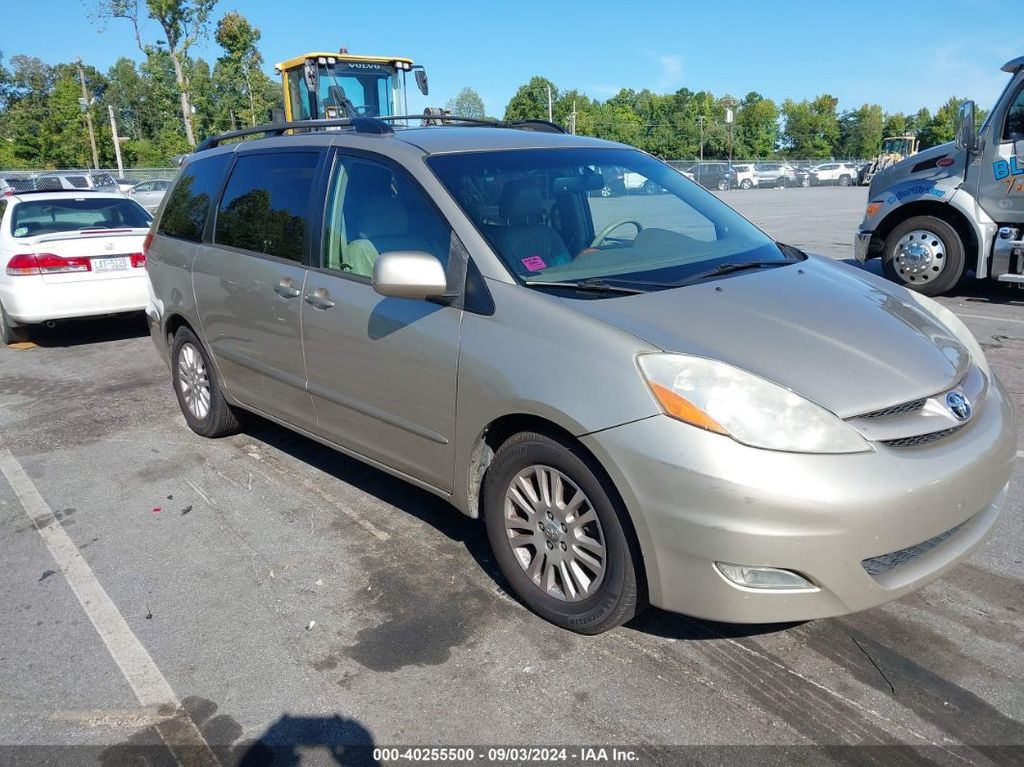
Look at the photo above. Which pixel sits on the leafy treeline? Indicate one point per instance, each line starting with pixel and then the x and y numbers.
pixel 670 125
pixel 164 104
pixel 159 104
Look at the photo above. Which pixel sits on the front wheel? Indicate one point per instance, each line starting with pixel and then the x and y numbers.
pixel 746 184
pixel 924 253
pixel 781 183
pixel 844 181
pixel 9 333
pixel 558 535
pixel 197 389
pixel 723 185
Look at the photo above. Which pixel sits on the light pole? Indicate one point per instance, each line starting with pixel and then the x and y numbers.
pixel 700 165
pixel 86 105
pixel 117 141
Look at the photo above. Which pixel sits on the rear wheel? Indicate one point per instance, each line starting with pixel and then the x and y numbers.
pixel 746 184
pixel 558 535
pixel 781 182
pixel 197 389
pixel 723 185
pixel 925 254
pixel 844 180
pixel 9 333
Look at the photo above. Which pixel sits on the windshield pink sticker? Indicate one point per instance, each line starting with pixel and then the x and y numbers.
pixel 534 263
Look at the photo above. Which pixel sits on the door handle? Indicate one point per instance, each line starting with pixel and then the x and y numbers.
pixel 286 289
pixel 319 299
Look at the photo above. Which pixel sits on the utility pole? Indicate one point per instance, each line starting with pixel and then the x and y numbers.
pixel 700 165
pixel 86 104
pixel 729 118
pixel 573 117
pixel 117 141
pixel 551 113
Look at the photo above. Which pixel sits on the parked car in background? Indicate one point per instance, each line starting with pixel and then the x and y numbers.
pixel 778 174
pixel 124 184
pixel 69 254
pixel 149 193
pixel 709 421
pixel 833 173
pixel 746 176
pixel 101 181
pixel 714 175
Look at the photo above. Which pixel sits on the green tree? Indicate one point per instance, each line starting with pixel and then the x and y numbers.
pixel 239 81
pixel 860 132
pixel 467 104
pixel 895 125
pixel 811 127
pixel 183 23
pixel 530 102
pixel 757 127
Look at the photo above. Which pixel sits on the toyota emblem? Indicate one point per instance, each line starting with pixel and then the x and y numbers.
pixel 958 405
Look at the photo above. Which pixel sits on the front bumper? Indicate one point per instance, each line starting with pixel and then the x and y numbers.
pixel 697 498
pixel 861 244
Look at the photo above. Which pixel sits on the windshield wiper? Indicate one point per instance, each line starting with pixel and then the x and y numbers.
pixel 729 268
pixel 594 285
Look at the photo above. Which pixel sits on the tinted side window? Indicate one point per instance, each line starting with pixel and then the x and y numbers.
pixel 266 206
pixel 189 203
pixel 1014 130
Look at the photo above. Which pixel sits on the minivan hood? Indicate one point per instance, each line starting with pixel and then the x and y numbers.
pixel 850 343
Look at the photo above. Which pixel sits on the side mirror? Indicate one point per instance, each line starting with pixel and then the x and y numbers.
pixel 421 80
pixel 409 274
pixel 966 132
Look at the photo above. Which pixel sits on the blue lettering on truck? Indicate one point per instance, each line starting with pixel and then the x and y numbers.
pixel 1005 168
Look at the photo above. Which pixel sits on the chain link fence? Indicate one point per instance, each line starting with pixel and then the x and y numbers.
pixel 772 174
pixel 79 177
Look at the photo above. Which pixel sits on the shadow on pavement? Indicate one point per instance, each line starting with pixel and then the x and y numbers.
pixel 67 333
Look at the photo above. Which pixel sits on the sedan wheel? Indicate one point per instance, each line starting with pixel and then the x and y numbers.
pixel 11 334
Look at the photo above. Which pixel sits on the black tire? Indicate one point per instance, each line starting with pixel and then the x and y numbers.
pixel 805 183
pixel 947 265
pixel 220 420
pixel 746 184
pixel 844 180
pixel 619 595
pixel 723 185
pixel 9 333
pixel 781 182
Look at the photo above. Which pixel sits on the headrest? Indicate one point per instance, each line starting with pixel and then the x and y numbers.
pixel 381 217
pixel 521 199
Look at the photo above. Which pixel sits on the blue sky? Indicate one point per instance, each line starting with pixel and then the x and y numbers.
pixel 860 52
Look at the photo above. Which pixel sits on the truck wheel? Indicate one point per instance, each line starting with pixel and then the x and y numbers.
pixel 559 537
pixel 925 254
pixel 11 334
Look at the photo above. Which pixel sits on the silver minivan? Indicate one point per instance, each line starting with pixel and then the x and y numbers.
pixel 645 398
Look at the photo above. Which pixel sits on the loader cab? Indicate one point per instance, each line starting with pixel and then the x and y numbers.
pixel 904 146
pixel 321 85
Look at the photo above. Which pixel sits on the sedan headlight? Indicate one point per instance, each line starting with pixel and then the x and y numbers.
pixel 726 400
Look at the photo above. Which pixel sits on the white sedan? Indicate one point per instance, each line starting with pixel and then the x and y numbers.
pixel 69 254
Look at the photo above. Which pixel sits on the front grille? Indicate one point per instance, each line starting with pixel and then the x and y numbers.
pixel 921 439
pixel 906 407
pixel 889 562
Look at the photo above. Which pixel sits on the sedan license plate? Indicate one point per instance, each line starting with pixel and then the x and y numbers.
pixel 120 264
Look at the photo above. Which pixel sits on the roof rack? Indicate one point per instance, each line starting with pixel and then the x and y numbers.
pixel 377 126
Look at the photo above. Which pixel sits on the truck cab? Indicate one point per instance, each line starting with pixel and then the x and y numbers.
pixel 319 85
pixel 957 207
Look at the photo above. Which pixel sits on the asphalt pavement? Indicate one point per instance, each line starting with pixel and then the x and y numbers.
pixel 264 591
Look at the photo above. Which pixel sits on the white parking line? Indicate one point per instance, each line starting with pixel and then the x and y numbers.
pixel 149 685
pixel 990 319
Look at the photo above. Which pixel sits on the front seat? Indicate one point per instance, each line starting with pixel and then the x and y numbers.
pixel 526 242
pixel 381 226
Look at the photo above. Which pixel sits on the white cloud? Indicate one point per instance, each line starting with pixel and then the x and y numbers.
pixel 671 70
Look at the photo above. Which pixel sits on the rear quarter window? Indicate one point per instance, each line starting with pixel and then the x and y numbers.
pixel 188 206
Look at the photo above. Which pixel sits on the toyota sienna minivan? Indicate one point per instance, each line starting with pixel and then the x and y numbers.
pixel 645 398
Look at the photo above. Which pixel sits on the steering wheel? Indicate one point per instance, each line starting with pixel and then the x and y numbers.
pixel 603 234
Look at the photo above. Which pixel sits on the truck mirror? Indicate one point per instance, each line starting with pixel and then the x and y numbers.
pixel 421 80
pixel 966 132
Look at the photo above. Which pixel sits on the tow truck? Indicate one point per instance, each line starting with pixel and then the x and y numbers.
pixel 335 85
pixel 957 207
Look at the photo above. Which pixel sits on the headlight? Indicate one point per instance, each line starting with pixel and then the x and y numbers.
pixel 751 410
pixel 956 326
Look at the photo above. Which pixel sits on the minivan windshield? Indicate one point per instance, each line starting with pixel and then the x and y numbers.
pixel 594 217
